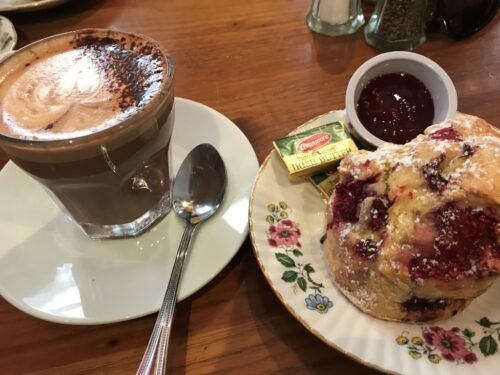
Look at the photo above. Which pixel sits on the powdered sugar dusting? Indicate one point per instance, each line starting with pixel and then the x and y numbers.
pixel 448 185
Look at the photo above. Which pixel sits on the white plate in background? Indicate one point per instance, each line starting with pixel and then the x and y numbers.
pixel 27 5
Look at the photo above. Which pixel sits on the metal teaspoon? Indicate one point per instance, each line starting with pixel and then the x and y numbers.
pixel 198 191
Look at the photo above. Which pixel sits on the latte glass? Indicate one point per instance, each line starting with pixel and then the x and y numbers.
pixel 113 179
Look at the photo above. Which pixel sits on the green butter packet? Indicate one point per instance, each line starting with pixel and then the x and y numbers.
pixel 314 150
pixel 325 182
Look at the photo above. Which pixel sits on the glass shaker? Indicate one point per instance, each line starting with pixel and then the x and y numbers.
pixel 397 25
pixel 335 17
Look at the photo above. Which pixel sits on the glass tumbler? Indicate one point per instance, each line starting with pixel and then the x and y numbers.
pixel 113 181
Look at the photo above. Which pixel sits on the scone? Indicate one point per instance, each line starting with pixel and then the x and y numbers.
pixel 413 230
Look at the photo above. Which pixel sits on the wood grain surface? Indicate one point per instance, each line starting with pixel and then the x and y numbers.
pixel 256 62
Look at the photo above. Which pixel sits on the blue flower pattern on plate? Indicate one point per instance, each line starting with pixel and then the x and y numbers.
pixel 319 303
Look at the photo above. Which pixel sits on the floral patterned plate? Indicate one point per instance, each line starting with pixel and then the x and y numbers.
pixel 286 225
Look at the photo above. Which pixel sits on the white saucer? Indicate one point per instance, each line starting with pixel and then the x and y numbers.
pixel 50 270
pixel 27 5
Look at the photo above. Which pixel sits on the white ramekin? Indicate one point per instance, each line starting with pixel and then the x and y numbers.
pixel 427 71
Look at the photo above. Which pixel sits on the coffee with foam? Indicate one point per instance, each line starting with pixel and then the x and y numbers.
pixel 73 85
pixel 89 114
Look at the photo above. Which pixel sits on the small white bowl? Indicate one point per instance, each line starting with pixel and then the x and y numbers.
pixel 427 71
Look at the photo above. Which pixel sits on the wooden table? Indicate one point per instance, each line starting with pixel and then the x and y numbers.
pixel 256 62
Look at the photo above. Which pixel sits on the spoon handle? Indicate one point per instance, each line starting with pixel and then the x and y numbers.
pixel 163 325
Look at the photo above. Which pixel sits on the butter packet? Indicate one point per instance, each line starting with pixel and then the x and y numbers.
pixel 325 183
pixel 315 150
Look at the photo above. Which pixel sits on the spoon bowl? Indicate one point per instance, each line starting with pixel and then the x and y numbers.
pixel 200 184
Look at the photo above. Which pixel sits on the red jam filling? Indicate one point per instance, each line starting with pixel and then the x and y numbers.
pixel 432 175
pixel 445 134
pixel 378 214
pixel 468 150
pixel 366 249
pixel 348 196
pixel 464 237
pixel 424 304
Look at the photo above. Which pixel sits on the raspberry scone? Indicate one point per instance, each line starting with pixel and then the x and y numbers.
pixel 413 230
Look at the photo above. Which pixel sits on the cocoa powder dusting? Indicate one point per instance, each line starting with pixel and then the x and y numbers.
pixel 129 69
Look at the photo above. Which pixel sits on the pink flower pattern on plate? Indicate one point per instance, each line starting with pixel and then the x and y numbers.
pixel 452 346
pixel 285 233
